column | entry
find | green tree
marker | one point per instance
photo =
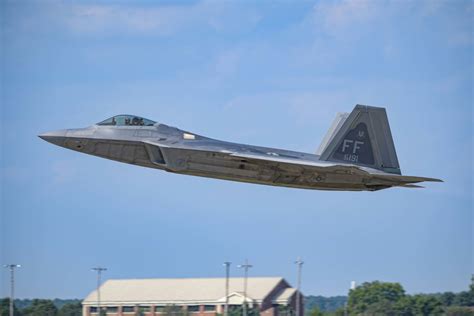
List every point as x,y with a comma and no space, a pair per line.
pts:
71,309
374,298
315,312
41,308
381,307
339,312
325,304
459,311
426,305
5,307
235,310
447,298
173,310
464,299
405,306
253,311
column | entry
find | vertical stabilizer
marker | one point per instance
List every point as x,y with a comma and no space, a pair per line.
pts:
332,131
363,138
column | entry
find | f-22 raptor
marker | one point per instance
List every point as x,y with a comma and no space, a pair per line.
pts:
357,153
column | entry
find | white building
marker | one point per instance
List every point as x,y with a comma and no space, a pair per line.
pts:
200,297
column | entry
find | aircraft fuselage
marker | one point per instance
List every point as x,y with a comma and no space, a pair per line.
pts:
357,153
129,144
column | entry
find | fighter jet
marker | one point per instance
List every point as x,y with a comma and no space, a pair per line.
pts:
357,153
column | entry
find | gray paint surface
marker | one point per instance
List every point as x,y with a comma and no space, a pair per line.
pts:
357,154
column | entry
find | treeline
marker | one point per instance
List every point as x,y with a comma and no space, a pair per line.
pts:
325,304
384,298
369,299
41,307
59,303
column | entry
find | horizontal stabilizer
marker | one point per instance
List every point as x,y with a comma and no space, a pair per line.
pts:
412,186
405,179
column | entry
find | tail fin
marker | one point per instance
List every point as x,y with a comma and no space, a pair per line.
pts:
362,138
332,131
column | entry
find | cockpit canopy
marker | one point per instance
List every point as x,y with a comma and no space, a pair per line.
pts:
127,120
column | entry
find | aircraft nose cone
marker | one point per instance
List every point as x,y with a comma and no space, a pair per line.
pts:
55,137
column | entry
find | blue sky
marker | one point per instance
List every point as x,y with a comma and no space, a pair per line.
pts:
270,73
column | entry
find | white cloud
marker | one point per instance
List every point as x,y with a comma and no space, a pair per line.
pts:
336,16
93,18
158,19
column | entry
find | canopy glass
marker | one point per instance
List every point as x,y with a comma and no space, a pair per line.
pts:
127,120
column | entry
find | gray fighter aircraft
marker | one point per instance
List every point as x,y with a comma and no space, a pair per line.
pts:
357,153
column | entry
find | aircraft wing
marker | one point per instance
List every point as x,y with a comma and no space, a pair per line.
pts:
316,165
272,158
404,181
260,158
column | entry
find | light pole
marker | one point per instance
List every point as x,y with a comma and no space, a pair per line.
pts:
12,268
299,263
246,266
227,267
99,271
